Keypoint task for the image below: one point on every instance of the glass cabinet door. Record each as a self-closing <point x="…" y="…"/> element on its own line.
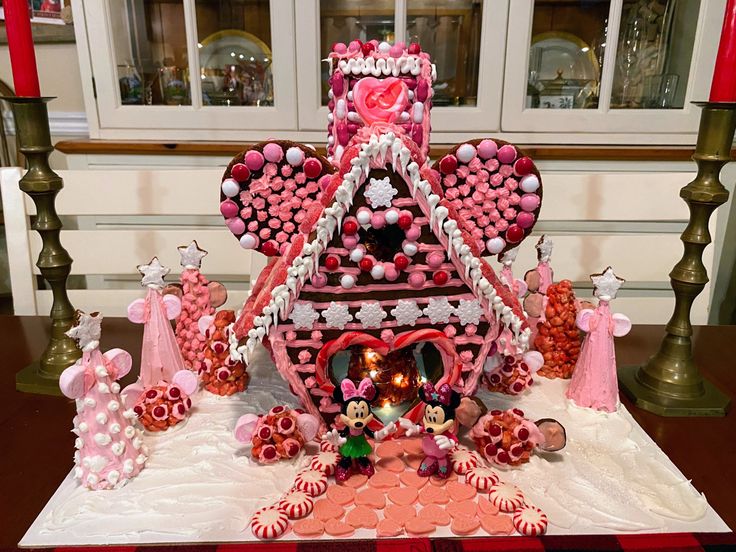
<point x="198" y="66"/>
<point x="608" y="65"/>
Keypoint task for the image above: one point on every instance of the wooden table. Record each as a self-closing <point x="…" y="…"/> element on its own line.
<point x="39" y="445"/>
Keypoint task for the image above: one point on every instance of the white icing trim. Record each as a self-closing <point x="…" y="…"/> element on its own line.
<point x="408" y="64"/>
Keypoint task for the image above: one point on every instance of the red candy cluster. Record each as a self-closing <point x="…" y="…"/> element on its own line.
<point x="162" y="406"/>
<point x="503" y="437"/>
<point x="558" y="338"/>
<point x="195" y="303"/>
<point x="511" y="376"/>
<point x="276" y="435"/>
<point x="219" y="374"/>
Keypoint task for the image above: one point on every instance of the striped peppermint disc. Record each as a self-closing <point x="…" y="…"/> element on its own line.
<point x="506" y="497"/>
<point x="326" y="446"/>
<point x="325" y="462"/>
<point x="312" y="482"/>
<point x="463" y="460"/>
<point x="530" y="521"/>
<point x="296" y="504"/>
<point x="269" y="523"/>
<point x="481" y="478"/>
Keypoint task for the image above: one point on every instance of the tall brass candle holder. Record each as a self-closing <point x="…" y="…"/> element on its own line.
<point x="42" y="184"/>
<point x="670" y="384"/>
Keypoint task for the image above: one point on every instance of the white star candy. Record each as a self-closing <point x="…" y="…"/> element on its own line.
<point x="439" y="310"/>
<point x="606" y="284"/>
<point x="469" y="312"/>
<point x="544" y="248"/>
<point x="303" y="315"/>
<point x="337" y="315"/>
<point x="508" y="258"/>
<point x="153" y="273"/>
<point x="380" y="192"/>
<point x="87" y="330"/>
<point x="371" y="314"/>
<point x="406" y="312"/>
<point x="191" y="255"/>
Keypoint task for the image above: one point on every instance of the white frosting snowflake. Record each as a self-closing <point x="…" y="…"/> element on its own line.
<point x="468" y="311"/>
<point x="380" y="192"/>
<point x="371" y="314"/>
<point x="303" y="315"/>
<point x="406" y="312"/>
<point x="337" y="315"/>
<point x="439" y="310"/>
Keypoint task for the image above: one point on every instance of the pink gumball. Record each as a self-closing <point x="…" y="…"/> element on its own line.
<point x="319" y="280"/>
<point x="435" y="259"/>
<point x="254" y="160"/>
<point x="236" y="225"/>
<point x="390" y="272"/>
<point x="228" y="208"/>
<point x="378" y="220"/>
<point x="349" y="242"/>
<point x="525" y="220"/>
<point x="487" y="149"/>
<point x="417" y="279"/>
<point x="506" y="154"/>
<point x="273" y="152"/>
<point x="413" y="233"/>
<point x="529" y="202"/>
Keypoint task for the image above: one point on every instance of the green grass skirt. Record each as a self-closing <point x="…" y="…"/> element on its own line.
<point x="355" y="447"/>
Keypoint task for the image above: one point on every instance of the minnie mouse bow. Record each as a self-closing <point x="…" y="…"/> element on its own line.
<point x="441" y="395"/>
<point x="365" y="390"/>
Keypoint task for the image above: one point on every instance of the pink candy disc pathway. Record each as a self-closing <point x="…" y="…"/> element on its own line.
<point x="362" y="516"/>
<point x="389" y="448"/>
<point x="485" y="507"/>
<point x="466" y="508"/>
<point x="506" y="497"/>
<point x="309" y="528"/>
<point x="403" y="495"/>
<point x="339" y="494"/>
<point x="389" y="528"/>
<point x="269" y="523"/>
<point x="460" y="491"/>
<point x="412" y="479"/>
<point x="338" y="528"/>
<point x="464" y="525"/>
<point x="530" y="521"/>
<point x="374" y="498"/>
<point x="495" y="524"/>
<point x="400" y="513"/>
<point x="325" y="509"/>
<point x="391" y="463"/>
<point x="419" y="526"/>
<point x="435" y="514"/>
<point x="312" y="482"/>
<point x="296" y="504"/>
<point x="383" y="480"/>
<point x="481" y="478"/>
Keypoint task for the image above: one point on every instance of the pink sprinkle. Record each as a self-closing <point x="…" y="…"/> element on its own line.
<point x="290" y="185"/>
<point x="492" y="165"/>
<point x="246" y="212"/>
<point x="514" y="199"/>
<point x="299" y="217"/>
<point x="277" y="184"/>
<point x="511" y="184"/>
<point x="285" y="214"/>
<point x="310" y="382"/>
<point x="289" y="227"/>
<point x="452" y="193"/>
<point x="387" y="336"/>
<point x="506" y="171"/>
<point x="466" y="356"/>
<point x="502" y="204"/>
<point x="301" y="192"/>
<point x="496" y="180"/>
<point x="509" y="214"/>
<point x="483" y="175"/>
<point x="490" y="232"/>
<point x="475" y="164"/>
<point x="494" y="215"/>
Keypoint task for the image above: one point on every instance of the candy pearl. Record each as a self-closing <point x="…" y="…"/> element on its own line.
<point x="269" y="248"/>
<point x="529" y="202"/>
<point x="294" y="156"/>
<point x="249" y="241"/>
<point x="417" y="279"/>
<point x="230" y="187"/>
<point x="448" y="164"/>
<point x="378" y="272"/>
<point x="350" y="227"/>
<point x="487" y="149"/>
<point x="312" y="168"/>
<point x="357" y="254"/>
<point x="347" y="281"/>
<point x="530" y="183"/>
<point x="465" y="153"/>
<point x="410" y="248"/>
<point x="401" y="261"/>
<point x="355" y="46"/>
<point x="366" y="264"/>
<point x="514" y="233"/>
<point x="240" y="172"/>
<point x="273" y="152"/>
<point x="332" y="263"/>
<point x="254" y="160"/>
<point x="319" y="280"/>
<point x="413" y="233"/>
<point x="339" y="48"/>
<point x="367" y="48"/>
<point x="495" y="245"/>
<point x="396" y="51"/>
<point x="228" y="208"/>
<point x="525" y="220"/>
<point x="506" y="154"/>
<point x="384" y="47"/>
<point x="435" y="259"/>
<point x="523" y="166"/>
<point x="236" y="225"/>
<point x="363" y="215"/>
<point x="405" y="220"/>
<point x="390" y="272"/>
<point x="440" y="277"/>
<point x="378" y="220"/>
<point x="349" y="242"/>
<point x="414" y="49"/>
<point x="392" y="216"/>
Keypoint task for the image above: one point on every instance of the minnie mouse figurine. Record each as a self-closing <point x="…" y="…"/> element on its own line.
<point x="355" y="414"/>
<point x="438" y="424"/>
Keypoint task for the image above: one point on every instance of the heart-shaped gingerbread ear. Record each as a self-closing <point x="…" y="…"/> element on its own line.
<point x="218" y="294"/>
<point x="532" y="279"/>
<point x="495" y="189"/>
<point x="533" y="304"/>
<point x="267" y="190"/>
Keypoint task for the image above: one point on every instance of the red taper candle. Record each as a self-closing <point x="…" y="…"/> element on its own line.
<point x="20" y="44"/>
<point x="723" y="88"/>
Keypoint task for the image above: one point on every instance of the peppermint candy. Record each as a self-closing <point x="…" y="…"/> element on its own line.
<point x="326" y="446"/>
<point x="325" y="462"/>
<point x="312" y="482"/>
<point x="296" y="504"/>
<point x="481" y="478"/>
<point x="463" y="460"/>
<point x="269" y="523"/>
<point x="506" y="497"/>
<point x="530" y="521"/>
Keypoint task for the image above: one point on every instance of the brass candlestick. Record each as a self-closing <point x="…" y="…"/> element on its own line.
<point x="670" y="384"/>
<point x="42" y="184"/>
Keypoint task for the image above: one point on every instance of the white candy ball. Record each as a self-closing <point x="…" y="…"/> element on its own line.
<point x="410" y="248"/>
<point x="357" y="254"/>
<point x="530" y="183"/>
<point x="495" y="245"/>
<point x="377" y="272"/>
<point x="363" y="216"/>
<point x="392" y="216"/>
<point x="248" y="241"/>
<point x="230" y="187"/>
<point x="294" y="156"/>
<point x="347" y="281"/>
<point x="384" y="47"/>
<point x="465" y="153"/>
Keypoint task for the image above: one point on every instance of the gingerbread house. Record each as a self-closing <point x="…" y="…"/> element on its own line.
<point x="377" y="264"/>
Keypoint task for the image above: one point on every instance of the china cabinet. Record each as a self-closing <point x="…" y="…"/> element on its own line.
<point x="530" y="71"/>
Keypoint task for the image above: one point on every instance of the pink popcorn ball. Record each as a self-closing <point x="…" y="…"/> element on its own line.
<point x="435" y="259"/>
<point x="378" y="220"/>
<point x="254" y="160"/>
<point x="390" y="272"/>
<point x="417" y="280"/>
<point x="273" y="152"/>
<point x="413" y="232"/>
<point x="487" y="149"/>
<point x="349" y="242"/>
<point x="319" y="280"/>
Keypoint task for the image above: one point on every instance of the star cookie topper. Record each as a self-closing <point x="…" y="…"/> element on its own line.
<point x="191" y="255"/>
<point x="87" y="330"/>
<point x="606" y="284"/>
<point x="508" y="258"/>
<point x="544" y="249"/>
<point x="153" y="273"/>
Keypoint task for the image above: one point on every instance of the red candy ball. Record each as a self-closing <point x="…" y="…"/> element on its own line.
<point x="414" y="48"/>
<point x="367" y="48"/>
<point x="448" y="164"/>
<point x="523" y="166"/>
<point x="366" y="264"/>
<point x="405" y="221"/>
<point x="350" y="227"/>
<point x="514" y="234"/>
<point x="332" y="263"/>
<point x="502" y="457"/>
<point x="312" y="168"/>
<point x="440" y="277"/>
<point x="240" y="172"/>
<point x="401" y="261"/>
<point x="270" y="249"/>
